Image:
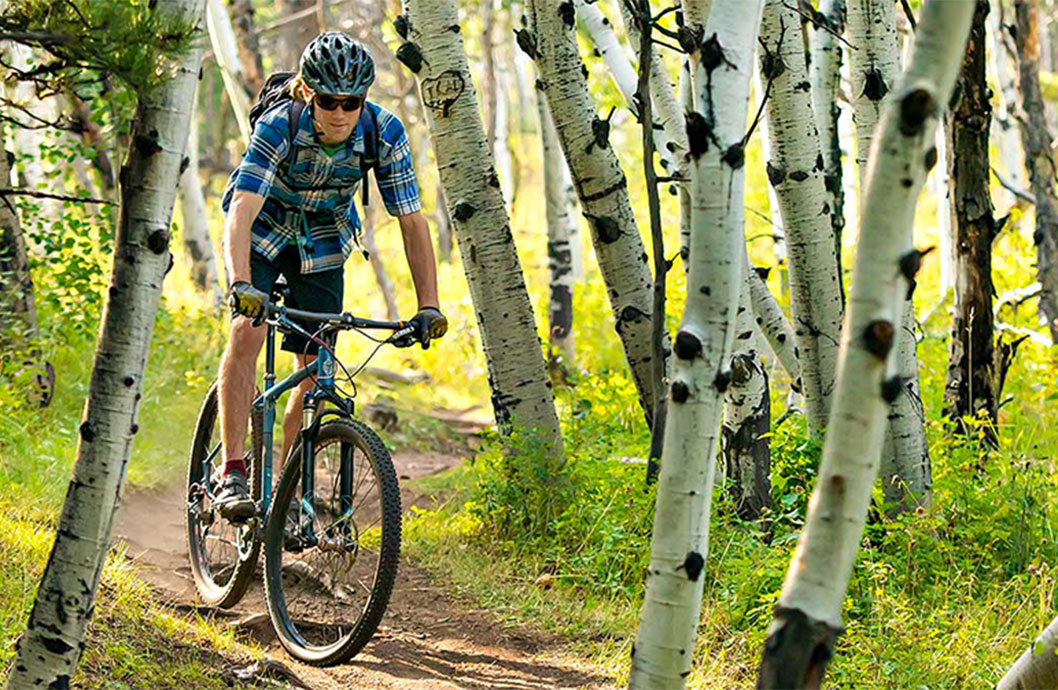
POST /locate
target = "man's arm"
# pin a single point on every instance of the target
(418, 249)
(237, 223)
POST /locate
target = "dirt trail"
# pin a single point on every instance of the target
(427, 640)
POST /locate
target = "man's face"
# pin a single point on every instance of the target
(332, 116)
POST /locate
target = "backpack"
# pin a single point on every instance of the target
(276, 90)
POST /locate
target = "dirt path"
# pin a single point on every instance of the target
(427, 640)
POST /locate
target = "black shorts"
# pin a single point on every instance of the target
(308, 291)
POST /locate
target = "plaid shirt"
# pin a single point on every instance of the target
(310, 202)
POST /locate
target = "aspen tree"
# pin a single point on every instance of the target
(796, 170)
(663, 651)
(550, 39)
(807, 619)
(433, 50)
(49, 650)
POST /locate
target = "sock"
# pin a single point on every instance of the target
(232, 465)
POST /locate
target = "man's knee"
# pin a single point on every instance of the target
(245, 339)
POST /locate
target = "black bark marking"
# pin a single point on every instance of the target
(184, 164)
(600, 131)
(401, 25)
(722, 380)
(735, 156)
(134, 429)
(689, 38)
(463, 211)
(891, 388)
(878, 338)
(55, 645)
(804, 86)
(680, 392)
(705, 290)
(820, 165)
(631, 314)
(931, 158)
(874, 86)
(88, 432)
(698, 134)
(60, 683)
(606, 228)
(442, 91)
(494, 179)
(776, 174)
(906, 183)
(158, 241)
(454, 28)
(713, 55)
(128, 380)
(688, 346)
(798, 176)
(526, 40)
(409, 54)
(911, 262)
(568, 14)
(797, 652)
(915, 108)
(146, 145)
(693, 565)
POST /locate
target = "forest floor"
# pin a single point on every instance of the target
(429, 638)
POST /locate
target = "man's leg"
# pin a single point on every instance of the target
(235, 394)
(292, 416)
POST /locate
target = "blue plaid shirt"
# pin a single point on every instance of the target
(310, 203)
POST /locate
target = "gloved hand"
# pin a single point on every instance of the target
(247, 300)
(429, 324)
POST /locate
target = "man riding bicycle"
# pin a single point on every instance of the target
(289, 211)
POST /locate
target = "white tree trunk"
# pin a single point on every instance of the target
(825, 67)
(196, 221)
(942, 192)
(226, 53)
(685, 94)
(664, 646)
(385, 285)
(49, 650)
(796, 171)
(1037, 667)
(501, 145)
(672, 146)
(874, 70)
(808, 616)
(562, 234)
(600, 183)
(778, 232)
(521, 391)
(1004, 126)
(488, 61)
(773, 325)
(626, 78)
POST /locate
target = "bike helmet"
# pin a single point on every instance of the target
(336, 64)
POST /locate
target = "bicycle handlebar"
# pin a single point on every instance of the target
(343, 320)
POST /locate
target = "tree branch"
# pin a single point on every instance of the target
(6, 192)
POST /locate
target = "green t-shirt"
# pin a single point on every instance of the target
(331, 150)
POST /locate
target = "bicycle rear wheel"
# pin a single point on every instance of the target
(328, 587)
(223, 556)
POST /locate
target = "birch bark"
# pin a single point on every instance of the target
(826, 79)
(796, 170)
(663, 651)
(773, 325)
(808, 617)
(1039, 161)
(874, 69)
(193, 213)
(601, 185)
(385, 285)
(521, 392)
(49, 650)
(226, 53)
(562, 232)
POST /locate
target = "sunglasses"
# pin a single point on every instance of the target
(349, 104)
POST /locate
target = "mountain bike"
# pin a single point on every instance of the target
(331, 527)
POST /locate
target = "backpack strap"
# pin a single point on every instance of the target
(369, 129)
(293, 120)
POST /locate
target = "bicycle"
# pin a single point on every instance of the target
(331, 554)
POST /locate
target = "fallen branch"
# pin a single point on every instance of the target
(45, 195)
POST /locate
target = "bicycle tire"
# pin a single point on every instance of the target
(343, 430)
(212, 590)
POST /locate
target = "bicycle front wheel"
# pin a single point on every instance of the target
(331, 554)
